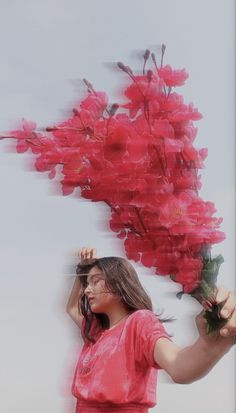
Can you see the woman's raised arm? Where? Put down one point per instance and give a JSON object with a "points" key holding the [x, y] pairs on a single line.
{"points": [[190, 363], [72, 307]]}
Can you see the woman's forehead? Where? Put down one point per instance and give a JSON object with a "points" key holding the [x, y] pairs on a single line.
{"points": [[94, 271]]}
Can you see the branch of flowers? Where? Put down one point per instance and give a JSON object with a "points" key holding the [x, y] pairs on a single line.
{"points": [[55, 128], [160, 160], [129, 72], [31, 141], [163, 157], [133, 229], [146, 110], [140, 219], [111, 206], [92, 90], [77, 113], [126, 225], [137, 210], [87, 130], [126, 221], [155, 63]]}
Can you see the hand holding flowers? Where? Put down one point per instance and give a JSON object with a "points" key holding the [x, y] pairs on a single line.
{"points": [[223, 337]]}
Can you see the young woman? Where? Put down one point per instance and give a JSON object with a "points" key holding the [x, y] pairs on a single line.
{"points": [[125, 343]]}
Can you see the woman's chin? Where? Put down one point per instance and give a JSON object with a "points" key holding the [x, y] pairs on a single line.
{"points": [[94, 308]]}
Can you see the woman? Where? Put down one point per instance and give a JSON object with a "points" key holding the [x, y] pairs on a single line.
{"points": [[125, 343]]}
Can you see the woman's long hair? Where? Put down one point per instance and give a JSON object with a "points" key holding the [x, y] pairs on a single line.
{"points": [[120, 279]]}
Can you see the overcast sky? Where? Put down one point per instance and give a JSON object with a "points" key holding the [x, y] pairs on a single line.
{"points": [[46, 47]]}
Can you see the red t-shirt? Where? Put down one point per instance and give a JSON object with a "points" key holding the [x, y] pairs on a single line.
{"points": [[119, 368]]}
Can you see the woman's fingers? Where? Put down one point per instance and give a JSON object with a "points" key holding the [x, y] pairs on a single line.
{"points": [[229, 328], [93, 253], [87, 253], [81, 254], [228, 298], [228, 310]]}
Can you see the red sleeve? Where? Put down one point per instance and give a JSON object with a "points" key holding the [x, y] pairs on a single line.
{"points": [[148, 330]]}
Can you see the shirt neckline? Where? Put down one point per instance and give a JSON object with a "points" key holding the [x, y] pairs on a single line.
{"points": [[107, 330]]}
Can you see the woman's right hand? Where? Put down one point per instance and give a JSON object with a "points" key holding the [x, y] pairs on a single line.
{"points": [[87, 254]]}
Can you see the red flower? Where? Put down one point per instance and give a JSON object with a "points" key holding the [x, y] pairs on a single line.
{"points": [[171, 102], [172, 77], [174, 210], [95, 104], [141, 91], [23, 135], [187, 113]]}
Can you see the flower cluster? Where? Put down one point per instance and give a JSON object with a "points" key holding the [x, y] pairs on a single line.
{"points": [[138, 157]]}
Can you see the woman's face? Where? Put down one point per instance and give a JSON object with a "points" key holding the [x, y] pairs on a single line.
{"points": [[99, 297]]}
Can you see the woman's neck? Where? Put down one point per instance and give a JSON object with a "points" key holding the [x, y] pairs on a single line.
{"points": [[116, 315]]}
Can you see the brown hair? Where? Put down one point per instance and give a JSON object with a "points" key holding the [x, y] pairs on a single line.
{"points": [[121, 279]]}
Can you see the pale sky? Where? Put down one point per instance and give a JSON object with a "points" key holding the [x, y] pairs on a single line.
{"points": [[46, 47]]}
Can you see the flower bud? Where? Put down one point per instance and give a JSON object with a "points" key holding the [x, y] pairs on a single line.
{"points": [[51, 128], [88, 84], [75, 111], [125, 69], [154, 59], [122, 66], [163, 48], [113, 109], [146, 54]]}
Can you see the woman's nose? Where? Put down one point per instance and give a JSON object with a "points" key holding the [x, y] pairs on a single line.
{"points": [[87, 289]]}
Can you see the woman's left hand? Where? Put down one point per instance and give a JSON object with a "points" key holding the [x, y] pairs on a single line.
{"points": [[227, 333]]}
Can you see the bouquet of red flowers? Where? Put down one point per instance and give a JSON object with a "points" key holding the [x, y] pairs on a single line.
{"points": [[138, 157]]}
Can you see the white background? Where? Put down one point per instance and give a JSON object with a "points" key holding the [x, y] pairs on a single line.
{"points": [[45, 46]]}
